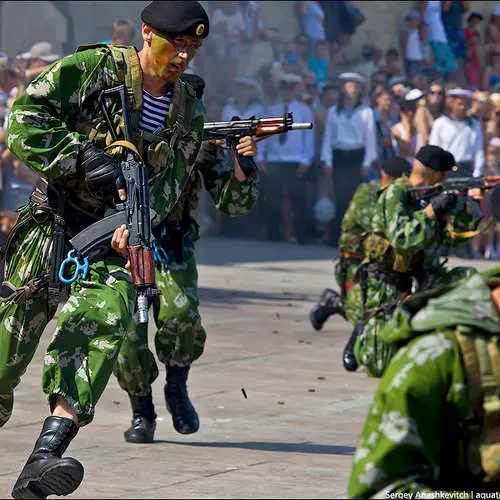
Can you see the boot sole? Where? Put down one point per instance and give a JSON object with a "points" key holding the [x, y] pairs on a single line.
{"points": [[60, 479], [138, 440]]}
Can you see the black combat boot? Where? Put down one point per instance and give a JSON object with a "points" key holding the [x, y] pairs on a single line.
{"points": [[143, 425], [329, 303], [184, 416], [45, 472], [348, 358]]}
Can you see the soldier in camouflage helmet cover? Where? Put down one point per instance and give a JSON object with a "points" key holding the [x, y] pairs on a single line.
{"points": [[433, 426], [57, 128], [402, 250]]}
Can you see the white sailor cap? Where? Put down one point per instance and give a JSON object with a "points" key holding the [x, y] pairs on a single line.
{"points": [[352, 77], [414, 95], [464, 93], [289, 77], [245, 80]]}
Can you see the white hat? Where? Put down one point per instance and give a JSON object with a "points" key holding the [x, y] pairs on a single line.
{"points": [[414, 95], [460, 93], [245, 80], [43, 51], [496, 10], [495, 142], [290, 78], [352, 77]]}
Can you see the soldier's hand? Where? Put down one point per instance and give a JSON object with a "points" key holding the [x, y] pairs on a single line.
{"points": [[441, 204], [247, 147], [119, 243], [476, 194]]}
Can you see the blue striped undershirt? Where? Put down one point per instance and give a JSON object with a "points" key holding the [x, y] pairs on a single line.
{"points": [[154, 111]]}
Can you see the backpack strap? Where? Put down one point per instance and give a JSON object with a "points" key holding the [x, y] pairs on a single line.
{"points": [[481, 356]]}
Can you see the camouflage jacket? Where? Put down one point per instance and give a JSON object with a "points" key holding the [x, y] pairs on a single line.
{"points": [[403, 237], [425, 431], [358, 217], [58, 113]]}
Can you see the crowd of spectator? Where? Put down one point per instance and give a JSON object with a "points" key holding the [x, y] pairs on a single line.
{"points": [[439, 83]]}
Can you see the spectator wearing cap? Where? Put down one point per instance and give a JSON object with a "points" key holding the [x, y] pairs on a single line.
{"points": [[460, 135], [39, 58], [411, 48], [444, 59], [313, 20], [452, 16], [431, 109], [349, 144], [244, 105], [285, 160], [472, 43], [404, 132]]}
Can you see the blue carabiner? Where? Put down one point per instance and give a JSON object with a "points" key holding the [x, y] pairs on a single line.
{"points": [[81, 267], [159, 254]]}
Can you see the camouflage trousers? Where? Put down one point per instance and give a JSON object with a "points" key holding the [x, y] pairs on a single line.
{"points": [[371, 352], [352, 297], [180, 337], [91, 326]]}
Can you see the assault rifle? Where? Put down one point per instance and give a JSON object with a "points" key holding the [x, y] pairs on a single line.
{"points": [[260, 128], [462, 184], [134, 212]]}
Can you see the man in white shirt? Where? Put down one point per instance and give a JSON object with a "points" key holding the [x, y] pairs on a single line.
{"points": [[460, 134], [285, 160], [243, 105]]}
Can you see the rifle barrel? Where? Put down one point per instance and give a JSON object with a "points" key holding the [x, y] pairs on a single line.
{"points": [[301, 126]]}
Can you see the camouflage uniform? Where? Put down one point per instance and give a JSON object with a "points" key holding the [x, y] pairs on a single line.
{"points": [[49, 124], [404, 247], [413, 439], [355, 224], [180, 338]]}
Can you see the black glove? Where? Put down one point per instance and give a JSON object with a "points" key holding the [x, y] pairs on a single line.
{"points": [[247, 165], [102, 171], [443, 203]]}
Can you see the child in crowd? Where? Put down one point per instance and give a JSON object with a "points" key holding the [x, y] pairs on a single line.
{"points": [[473, 41], [410, 42], [392, 65], [319, 63], [426, 49]]}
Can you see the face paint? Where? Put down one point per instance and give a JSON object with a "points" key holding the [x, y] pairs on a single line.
{"points": [[164, 53]]}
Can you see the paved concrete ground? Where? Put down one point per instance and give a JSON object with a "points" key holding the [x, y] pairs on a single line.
{"points": [[294, 435]]}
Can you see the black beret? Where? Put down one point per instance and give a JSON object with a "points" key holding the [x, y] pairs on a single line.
{"points": [[196, 82], [436, 158], [179, 18], [396, 167], [495, 202]]}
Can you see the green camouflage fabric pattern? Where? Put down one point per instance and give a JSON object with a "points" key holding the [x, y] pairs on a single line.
{"points": [[413, 432], [407, 234], [46, 129], [355, 224], [180, 337]]}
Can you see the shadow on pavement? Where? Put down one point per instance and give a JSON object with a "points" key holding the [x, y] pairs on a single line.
{"points": [[312, 448], [220, 251], [221, 297]]}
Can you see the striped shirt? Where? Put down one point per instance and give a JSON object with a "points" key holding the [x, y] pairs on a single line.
{"points": [[154, 110]]}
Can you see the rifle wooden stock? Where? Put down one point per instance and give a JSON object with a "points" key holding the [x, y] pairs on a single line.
{"points": [[142, 266]]}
